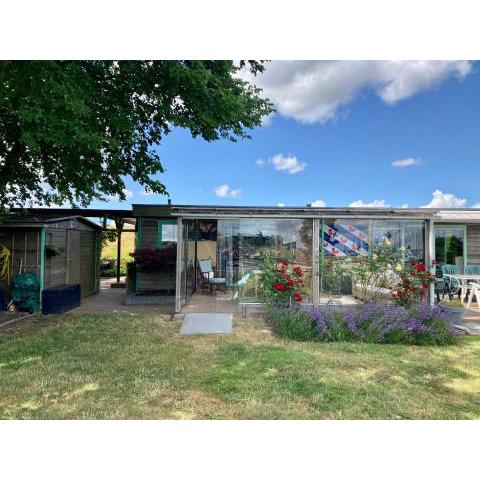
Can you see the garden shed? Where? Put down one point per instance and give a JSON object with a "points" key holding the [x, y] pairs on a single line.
{"points": [[59, 251]]}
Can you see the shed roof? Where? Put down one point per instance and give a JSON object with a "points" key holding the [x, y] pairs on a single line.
{"points": [[21, 221]]}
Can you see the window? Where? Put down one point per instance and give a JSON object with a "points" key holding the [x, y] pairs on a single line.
{"points": [[449, 245]]}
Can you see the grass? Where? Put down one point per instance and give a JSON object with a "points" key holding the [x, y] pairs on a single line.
{"points": [[138, 366]]}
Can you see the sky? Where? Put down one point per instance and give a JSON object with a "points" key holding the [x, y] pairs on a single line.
{"points": [[345, 134]]}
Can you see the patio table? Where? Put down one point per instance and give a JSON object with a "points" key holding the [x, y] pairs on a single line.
{"points": [[464, 279]]}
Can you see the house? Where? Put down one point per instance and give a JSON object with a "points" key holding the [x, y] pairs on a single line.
{"points": [[314, 238], [232, 238]]}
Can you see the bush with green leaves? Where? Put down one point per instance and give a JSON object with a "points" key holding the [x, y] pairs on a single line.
{"points": [[294, 322]]}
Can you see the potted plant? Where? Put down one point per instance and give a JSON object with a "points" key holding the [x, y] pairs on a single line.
{"points": [[454, 310]]}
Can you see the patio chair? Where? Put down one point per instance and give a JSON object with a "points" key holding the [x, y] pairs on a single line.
{"points": [[208, 280], [472, 270], [453, 284], [440, 283], [474, 292]]}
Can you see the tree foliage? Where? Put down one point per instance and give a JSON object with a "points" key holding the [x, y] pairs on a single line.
{"points": [[73, 130]]}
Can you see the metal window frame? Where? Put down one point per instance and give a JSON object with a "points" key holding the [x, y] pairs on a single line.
{"points": [[462, 226]]}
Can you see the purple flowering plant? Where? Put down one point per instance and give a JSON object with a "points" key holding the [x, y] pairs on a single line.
{"points": [[371, 322]]}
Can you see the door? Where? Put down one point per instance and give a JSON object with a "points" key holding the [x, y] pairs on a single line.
{"points": [[72, 273]]}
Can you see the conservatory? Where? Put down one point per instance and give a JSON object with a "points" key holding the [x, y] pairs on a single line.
{"points": [[226, 244]]}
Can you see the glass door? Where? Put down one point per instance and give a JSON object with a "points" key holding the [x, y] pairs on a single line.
{"points": [[450, 245], [187, 283]]}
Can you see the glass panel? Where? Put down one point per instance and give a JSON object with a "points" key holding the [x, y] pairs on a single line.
{"points": [[188, 268], [344, 241], [241, 242], [407, 234], [449, 243], [352, 240]]}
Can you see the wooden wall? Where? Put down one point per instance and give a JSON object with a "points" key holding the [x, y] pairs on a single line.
{"points": [[76, 262], [473, 244]]}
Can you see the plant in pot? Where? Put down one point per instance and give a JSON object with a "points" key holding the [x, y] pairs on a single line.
{"points": [[454, 309]]}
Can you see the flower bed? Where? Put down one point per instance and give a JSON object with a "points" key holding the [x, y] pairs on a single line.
{"points": [[371, 322]]}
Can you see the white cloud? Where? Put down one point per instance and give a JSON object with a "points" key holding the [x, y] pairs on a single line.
{"points": [[224, 191], [406, 162], [288, 164], [405, 205], [128, 194], [147, 194], [476, 205], [280, 204], [319, 204], [375, 203], [316, 91], [445, 200]]}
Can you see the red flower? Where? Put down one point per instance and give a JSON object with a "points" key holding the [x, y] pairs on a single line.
{"points": [[298, 297], [290, 281], [279, 286], [285, 264], [423, 293], [420, 267]]}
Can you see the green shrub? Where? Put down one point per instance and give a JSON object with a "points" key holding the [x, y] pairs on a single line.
{"points": [[293, 323]]}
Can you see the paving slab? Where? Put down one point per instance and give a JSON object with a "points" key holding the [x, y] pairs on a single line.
{"points": [[205, 323]]}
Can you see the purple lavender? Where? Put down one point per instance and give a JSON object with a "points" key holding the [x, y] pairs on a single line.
{"points": [[377, 322]]}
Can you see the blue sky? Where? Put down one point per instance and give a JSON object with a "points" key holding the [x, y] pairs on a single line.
{"points": [[339, 130]]}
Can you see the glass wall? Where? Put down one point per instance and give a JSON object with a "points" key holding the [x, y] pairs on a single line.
{"points": [[241, 242], [345, 242], [449, 245], [408, 235], [188, 267]]}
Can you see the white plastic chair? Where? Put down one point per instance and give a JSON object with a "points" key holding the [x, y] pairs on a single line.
{"points": [[474, 292]]}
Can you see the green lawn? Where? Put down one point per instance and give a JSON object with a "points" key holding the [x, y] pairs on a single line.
{"points": [[138, 366]]}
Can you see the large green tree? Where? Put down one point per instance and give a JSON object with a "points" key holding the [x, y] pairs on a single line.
{"points": [[73, 130]]}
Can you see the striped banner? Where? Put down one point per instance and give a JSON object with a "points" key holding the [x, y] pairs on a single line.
{"points": [[345, 239]]}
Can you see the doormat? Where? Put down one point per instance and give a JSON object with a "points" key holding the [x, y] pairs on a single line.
{"points": [[201, 323]]}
